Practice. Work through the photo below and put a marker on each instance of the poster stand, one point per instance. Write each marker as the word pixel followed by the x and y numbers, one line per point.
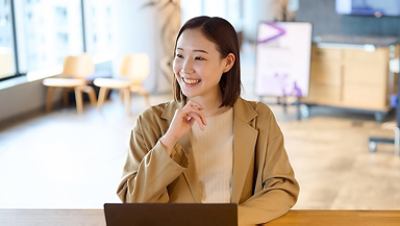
pixel 283 56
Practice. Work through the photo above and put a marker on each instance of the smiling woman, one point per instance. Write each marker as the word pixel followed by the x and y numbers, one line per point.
pixel 198 65
pixel 209 145
pixel 216 56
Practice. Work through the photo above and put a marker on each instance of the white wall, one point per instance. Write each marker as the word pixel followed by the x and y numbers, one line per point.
pixel 20 99
pixel 264 10
pixel 137 31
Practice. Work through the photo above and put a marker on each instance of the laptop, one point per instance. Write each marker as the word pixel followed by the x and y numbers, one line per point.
pixel 170 214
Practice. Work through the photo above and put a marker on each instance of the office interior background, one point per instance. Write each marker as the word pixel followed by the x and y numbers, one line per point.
pixel 64 159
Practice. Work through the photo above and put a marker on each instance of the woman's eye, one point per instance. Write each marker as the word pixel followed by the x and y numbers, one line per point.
pixel 199 58
pixel 179 55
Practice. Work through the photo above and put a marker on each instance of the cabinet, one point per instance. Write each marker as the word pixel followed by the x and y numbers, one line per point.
pixel 351 76
pixel 326 76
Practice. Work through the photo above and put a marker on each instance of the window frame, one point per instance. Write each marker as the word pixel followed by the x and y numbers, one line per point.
pixel 15 46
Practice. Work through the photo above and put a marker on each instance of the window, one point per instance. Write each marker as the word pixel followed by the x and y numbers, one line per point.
pixel 47 31
pixel 98 28
pixel 7 63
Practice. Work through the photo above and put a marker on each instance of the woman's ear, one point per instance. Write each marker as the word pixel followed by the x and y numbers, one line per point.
pixel 229 62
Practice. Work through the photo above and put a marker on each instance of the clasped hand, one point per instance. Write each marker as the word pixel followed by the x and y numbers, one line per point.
pixel 182 122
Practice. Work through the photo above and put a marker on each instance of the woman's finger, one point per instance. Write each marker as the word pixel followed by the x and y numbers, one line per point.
pixel 196 117
pixel 193 104
pixel 200 114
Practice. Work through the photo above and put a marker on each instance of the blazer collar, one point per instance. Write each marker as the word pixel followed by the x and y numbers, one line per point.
pixel 169 110
pixel 244 111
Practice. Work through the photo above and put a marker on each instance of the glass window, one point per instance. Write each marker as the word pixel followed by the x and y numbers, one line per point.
pixel 7 64
pixel 98 28
pixel 48 31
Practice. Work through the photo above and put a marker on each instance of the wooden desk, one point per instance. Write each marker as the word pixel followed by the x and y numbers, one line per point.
pixel 95 217
pixel 338 217
pixel 52 217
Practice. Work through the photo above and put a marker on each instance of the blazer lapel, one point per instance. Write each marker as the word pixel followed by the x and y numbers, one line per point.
pixel 245 137
pixel 189 174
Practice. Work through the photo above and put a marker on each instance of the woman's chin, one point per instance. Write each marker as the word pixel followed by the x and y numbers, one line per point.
pixel 189 95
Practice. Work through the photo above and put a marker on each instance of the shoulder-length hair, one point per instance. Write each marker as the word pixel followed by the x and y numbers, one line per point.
pixel 222 33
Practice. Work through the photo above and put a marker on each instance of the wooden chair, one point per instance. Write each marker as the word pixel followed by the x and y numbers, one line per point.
pixel 134 70
pixel 74 76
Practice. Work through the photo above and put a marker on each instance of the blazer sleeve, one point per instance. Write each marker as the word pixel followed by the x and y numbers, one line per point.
pixel 278 189
pixel 148 168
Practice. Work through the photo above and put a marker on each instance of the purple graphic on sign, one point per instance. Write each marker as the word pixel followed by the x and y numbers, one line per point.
pixel 278 32
pixel 287 87
pixel 296 90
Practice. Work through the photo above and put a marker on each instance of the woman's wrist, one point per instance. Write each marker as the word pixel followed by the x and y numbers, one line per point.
pixel 168 143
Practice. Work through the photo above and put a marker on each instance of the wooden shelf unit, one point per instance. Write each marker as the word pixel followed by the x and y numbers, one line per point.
pixel 352 76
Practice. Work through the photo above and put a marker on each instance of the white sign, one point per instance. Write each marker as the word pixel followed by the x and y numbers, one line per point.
pixel 283 59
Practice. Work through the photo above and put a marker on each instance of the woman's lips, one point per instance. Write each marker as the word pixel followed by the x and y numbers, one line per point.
pixel 191 81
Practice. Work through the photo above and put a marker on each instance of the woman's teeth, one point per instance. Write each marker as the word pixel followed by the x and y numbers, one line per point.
pixel 191 81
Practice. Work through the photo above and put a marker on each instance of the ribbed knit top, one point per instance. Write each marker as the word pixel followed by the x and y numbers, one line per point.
pixel 212 151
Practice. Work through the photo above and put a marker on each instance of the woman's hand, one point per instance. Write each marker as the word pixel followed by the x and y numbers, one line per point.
pixel 182 122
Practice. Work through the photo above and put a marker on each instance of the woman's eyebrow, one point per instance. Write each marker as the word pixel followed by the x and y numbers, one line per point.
pixel 200 50
pixel 195 50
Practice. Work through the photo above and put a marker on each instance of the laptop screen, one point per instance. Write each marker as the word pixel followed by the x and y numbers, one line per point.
pixel 171 214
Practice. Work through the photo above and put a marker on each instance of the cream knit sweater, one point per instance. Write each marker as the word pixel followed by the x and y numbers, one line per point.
pixel 212 151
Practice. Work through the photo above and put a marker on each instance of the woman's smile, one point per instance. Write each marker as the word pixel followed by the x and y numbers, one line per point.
pixel 191 81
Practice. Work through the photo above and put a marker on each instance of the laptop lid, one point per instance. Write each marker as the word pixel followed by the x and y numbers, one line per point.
pixel 171 214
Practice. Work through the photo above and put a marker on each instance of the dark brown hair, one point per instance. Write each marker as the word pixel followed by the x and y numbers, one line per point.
pixel 222 33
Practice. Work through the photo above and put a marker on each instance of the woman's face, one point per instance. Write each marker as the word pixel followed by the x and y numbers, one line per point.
pixel 198 65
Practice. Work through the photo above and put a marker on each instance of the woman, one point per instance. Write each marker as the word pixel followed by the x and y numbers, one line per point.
pixel 210 145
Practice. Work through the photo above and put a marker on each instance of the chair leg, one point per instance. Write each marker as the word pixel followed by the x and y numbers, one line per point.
pixel 78 99
pixel 49 98
pixel 65 97
pixel 102 96
pixel 92 95
pixel 145 94
pixel 122 95
pixel 127 100
pixel 146 99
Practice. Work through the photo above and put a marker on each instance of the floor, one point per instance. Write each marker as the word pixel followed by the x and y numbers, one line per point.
pixel 66 160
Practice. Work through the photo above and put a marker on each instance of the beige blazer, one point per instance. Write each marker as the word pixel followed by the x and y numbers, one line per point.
pixel 263 182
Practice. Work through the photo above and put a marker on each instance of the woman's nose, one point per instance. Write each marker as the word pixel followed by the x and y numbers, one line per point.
pixel 187 66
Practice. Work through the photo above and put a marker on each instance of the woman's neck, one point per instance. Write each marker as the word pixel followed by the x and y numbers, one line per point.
pixel 211 104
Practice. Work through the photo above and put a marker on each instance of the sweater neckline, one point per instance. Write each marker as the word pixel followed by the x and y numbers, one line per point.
pixel 220 115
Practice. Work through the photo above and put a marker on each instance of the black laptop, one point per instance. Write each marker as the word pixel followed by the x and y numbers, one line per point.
pixel 171 214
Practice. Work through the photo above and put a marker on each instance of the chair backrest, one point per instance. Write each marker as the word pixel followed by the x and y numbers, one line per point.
pixel 79 66
pixel 136 67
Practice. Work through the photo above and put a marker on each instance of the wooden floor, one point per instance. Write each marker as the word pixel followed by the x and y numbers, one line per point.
pixel 66 160
pixel 335 169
